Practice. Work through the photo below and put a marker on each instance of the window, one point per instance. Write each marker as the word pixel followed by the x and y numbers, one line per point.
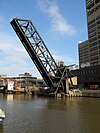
pixel 97 7
pixel 93 49
pixel 91 30
pixel 94 58
pixel 93 44
pixel 89 6
pixel 96 1
pixel 92 21
pixel 94 53
pixel 98 36
pixel 93 39
pixel 92 35
pixel 98 32
pixel 92 11
pixel 91 26
pixel 98 22
pixel 97 18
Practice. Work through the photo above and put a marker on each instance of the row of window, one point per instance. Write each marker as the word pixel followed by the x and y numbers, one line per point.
pixel 93 25
pixel 98 36
pixel 83 46
pixel 93 53
pixel 83 56
pixel 98 32
pixel 98 22
pixel 93 10
pixel 89 2
pixel 91 30
pixel 83 52
pixel 93 20
pixel 92 35
pixel 92 44
pixel 93 39
pixel 98 17
pixel 96 1
pixel 85 61
pixel 93 49
pixel 89 79
pixel 88 71
pixel 94 58
pixel 83 49
pixel 90 5
pixel 98 27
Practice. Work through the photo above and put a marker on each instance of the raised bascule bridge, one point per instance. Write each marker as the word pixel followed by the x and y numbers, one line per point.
pixel 55 76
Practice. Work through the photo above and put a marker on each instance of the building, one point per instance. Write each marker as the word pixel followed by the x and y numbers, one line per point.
pixel 88 77
pixel 93 24
pixel 25 75
pixel 22 82
pixel 89 51
pixel 3 80
pixel 83 49
pixel 10 85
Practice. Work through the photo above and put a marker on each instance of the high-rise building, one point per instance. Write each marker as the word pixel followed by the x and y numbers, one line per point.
pixel 93 43
pixel 83 49
pixel 88 76
pixel 93 23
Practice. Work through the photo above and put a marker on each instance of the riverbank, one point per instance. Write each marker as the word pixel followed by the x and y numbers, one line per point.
pixel 72 93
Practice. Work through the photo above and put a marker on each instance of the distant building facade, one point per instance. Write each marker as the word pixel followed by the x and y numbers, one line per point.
pixel 22 81
pixel 83 49
pixel 89 51
pixel 88 77
pixel 93 24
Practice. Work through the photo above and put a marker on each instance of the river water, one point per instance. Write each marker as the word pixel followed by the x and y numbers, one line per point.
pixel 28 114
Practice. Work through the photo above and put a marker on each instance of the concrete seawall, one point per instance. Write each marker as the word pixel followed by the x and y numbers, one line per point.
pixel 84 93
pixel 91 93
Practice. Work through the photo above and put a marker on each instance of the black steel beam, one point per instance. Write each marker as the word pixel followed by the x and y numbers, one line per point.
pixel 37 50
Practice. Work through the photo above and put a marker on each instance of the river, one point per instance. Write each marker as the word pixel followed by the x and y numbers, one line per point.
pixel 28 114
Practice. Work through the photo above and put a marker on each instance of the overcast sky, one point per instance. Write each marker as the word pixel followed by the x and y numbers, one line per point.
pixel 61 24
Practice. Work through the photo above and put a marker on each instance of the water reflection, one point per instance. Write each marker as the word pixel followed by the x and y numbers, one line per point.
pixel 9 97
pixel 55 104
pixel 28 114
pixel 18 97
pixel 1 128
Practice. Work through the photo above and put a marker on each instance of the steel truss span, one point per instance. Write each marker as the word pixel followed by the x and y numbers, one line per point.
pixel 39 53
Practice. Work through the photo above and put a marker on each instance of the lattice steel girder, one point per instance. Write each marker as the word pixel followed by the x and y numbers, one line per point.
pixel 37 50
